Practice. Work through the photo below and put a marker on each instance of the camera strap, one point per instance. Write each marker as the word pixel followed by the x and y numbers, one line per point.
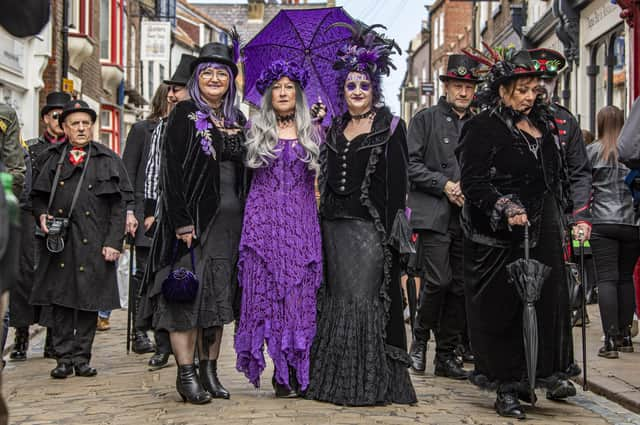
pixel 56 179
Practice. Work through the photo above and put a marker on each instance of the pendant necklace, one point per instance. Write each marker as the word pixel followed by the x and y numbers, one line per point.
pixel 533 147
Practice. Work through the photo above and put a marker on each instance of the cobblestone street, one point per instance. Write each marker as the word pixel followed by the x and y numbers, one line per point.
pixel 126 392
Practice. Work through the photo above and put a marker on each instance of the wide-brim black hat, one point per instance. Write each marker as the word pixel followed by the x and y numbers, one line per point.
pixel 548 60
pixel 461 68
pixel 77 106
pixel 518 65
pixel 183 71
pixel 55 100
pixel 216 52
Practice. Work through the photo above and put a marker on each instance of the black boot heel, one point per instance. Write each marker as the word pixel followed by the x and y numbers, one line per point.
pixel 189 387
pixel 210 381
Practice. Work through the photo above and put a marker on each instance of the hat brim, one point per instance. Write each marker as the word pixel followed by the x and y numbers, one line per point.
pixel 46 108
pixel 174 83
pixel 215 59
pixel 445 78
pixel 89 111
pixel 518 75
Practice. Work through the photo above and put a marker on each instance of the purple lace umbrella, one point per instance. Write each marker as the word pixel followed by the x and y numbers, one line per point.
pixel 300 36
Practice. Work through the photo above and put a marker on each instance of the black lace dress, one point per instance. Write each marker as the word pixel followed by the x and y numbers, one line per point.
pixel 216 255
pixel 352 362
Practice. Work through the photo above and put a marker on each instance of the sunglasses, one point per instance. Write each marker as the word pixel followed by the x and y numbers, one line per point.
pixel 56 115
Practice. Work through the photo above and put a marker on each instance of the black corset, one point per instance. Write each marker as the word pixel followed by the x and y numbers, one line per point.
pixel 233 148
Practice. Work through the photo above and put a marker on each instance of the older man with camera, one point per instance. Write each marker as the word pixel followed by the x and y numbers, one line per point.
pixel 78 200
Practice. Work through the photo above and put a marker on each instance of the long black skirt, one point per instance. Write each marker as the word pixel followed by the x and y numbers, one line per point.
pixel 21 313
pixel 351 361
pixel 494 310
pixel 216 256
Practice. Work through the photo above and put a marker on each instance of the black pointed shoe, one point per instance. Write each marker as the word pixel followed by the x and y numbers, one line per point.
pixel 83 369
pixel 449 368
pixel 189 387
pixel 281 390
pixel 159 360
pixel 63 370
pixel 418 354
pixel 561 390
pixel 610 349
pixel 210 381
pixel 142 344
pixel 507 405
pixel 20 345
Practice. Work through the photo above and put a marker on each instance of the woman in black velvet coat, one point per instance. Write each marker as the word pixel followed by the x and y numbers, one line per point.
pixel 359 355
pixel 512 174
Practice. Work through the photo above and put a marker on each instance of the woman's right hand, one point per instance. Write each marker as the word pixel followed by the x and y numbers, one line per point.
pixel 518 220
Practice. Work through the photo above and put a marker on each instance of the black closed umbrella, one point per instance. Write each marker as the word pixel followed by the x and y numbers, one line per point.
pixel 528 276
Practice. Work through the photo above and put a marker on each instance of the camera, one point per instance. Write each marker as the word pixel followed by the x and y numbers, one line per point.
pixel 57 233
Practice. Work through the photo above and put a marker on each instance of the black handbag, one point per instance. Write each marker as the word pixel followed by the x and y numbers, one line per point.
pixel 181 285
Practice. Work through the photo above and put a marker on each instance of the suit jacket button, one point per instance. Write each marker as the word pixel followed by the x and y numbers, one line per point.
pixel 343 173
pixel 344 165
pixel 449 119
pixel 81 268
pixel 433 181
pixel 87 213
pixel 60 211
pixel 344 157
pixel 445 140
pixel 90 186
pixel 443 165
pixel 61 183
pixel 62 265
pixel 341 188
pixel 85 241
pixel 346 150
pixel 343 181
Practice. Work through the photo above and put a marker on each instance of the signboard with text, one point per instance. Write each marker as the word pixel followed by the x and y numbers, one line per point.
pixel 155 41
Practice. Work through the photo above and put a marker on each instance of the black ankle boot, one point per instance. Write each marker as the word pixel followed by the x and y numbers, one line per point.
pixel 48 351
pixel 418 354
pixel 209 379
pixel 625 345
pixel 20 345
pixel 507 405
pixel 189 387
pixel 610 348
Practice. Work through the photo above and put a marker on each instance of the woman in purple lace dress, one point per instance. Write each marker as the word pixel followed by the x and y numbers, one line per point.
pixel 280 262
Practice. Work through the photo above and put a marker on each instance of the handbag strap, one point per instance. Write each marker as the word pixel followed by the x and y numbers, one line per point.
pixel 56 179
pixel 175 255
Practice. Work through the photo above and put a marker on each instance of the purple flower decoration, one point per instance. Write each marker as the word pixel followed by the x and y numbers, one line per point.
pixel 203 130
pixel 279 69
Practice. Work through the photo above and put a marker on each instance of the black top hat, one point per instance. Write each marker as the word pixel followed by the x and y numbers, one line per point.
pixel 55 100
pixel 216 52
pixel 77 106
pixel 461 68
pixel 549 61
pixel 183 71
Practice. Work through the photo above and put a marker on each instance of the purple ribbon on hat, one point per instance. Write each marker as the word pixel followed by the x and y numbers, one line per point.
pixel 278 69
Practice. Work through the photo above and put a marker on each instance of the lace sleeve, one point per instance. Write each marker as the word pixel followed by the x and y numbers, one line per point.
pixel 505 207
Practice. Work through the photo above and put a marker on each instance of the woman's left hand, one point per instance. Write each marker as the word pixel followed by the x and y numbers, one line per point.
pixel 318 110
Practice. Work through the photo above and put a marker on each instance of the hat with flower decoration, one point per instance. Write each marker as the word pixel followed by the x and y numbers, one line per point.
pixel 547 60
pixel 279 69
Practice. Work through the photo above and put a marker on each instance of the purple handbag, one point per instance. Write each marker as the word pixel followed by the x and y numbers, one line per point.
pixel 181 286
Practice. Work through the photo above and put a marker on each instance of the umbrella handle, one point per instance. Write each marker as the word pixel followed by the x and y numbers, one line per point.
pixel 526 241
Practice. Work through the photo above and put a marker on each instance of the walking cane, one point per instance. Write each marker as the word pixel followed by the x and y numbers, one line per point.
pixel 131 307
pixel 583 281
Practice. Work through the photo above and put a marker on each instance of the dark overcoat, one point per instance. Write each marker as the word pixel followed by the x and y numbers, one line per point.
pixel 79 277
pixel 432 140
pixel 136 153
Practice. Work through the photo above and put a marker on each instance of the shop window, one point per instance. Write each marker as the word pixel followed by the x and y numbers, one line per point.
pixel 110 127
pixel 619 71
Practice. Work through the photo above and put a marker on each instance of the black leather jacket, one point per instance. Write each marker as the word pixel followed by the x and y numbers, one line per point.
pixel 612 202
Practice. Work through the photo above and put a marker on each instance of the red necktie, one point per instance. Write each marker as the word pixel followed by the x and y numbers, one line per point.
pixel 76 156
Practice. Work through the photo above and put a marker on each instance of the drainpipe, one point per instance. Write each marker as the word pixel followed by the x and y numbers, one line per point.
pixel 65 39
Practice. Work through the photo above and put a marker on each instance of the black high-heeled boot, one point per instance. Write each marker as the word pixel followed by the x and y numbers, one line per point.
pixel 189 387
pixel 610 348
pixel 20 345
pixel 626 344
pixel 209 379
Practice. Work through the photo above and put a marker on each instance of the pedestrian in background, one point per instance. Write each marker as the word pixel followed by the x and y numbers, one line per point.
pixel 587 136
pixel 616 237
pixel 280 265
pixel 201 206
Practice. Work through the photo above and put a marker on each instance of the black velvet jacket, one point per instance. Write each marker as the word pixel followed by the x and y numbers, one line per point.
pixel 190 183
pixel 497 166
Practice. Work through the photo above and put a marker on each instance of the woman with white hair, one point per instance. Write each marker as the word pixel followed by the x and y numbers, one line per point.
pixel 280 260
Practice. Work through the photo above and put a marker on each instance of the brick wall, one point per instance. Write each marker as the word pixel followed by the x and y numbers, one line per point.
pixel 89 72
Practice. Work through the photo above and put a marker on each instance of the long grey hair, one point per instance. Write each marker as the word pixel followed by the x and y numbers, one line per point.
pixel 263 135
